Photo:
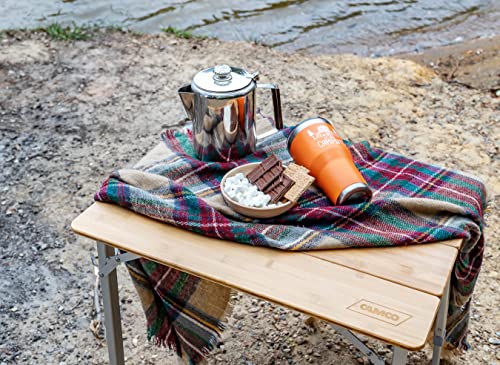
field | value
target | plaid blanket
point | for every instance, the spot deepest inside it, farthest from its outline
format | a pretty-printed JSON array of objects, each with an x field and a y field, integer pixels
[{"x": 413, "y": 203}]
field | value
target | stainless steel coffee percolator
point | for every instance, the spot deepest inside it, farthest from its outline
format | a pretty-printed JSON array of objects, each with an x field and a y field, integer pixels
[{"x": 220, "y": 101}]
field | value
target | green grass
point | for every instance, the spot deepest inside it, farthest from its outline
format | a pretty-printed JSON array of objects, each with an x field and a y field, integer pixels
[
  {"x": 255, "y": 40},
  {"x": 116, "y": 28},
  {"x": 74, "y": 33},
  {"x": 186, "y": 34}
]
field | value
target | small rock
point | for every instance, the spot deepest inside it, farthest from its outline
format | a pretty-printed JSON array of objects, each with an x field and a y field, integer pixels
[
  {"x": 300, "y": 340},
  {"x": 13, "y": 309},
  {"x": 494, "y": 341},
  {"x": 384, "y": 351},
  {"x": 254, "y": 309},
  {"x": 238, "y": 315},
  {"x": 11, "y": 210}
]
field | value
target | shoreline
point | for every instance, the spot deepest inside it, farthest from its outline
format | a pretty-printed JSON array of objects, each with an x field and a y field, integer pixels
[{"x": 473, "y": 64}]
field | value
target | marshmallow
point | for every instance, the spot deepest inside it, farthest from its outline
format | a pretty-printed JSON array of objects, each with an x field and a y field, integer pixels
[{"x": 239, "y": 189}]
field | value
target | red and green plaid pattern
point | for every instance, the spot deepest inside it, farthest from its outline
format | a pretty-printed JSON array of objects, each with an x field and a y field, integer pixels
[{"x": 412, "y": 203}]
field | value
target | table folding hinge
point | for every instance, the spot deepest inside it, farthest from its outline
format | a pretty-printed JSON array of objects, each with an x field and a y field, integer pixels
[
  {"x": 353, "y": 339},
  {"x": 113, "y": 261},
  {"x": 438, "y": 340}
]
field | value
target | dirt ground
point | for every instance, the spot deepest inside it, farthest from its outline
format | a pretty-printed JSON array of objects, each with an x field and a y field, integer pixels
[{"x": 71, "y": 112}]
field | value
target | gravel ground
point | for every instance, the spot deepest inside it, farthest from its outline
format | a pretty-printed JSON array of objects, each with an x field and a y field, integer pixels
[{"x": 71, "y": 112}]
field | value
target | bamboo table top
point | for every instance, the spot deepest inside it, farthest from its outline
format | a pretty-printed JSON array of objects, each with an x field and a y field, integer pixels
[{"x": 391, "y": 294}]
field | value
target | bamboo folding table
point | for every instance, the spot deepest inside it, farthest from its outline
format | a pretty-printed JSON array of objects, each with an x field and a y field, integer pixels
[{"x": 391, "y": 294}]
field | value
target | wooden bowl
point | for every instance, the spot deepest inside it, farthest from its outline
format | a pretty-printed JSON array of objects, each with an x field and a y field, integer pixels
[{"x": 250, "y": 211}]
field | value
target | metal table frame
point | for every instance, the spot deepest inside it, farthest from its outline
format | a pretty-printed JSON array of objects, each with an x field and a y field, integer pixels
[{"x": 110, "y": 258}]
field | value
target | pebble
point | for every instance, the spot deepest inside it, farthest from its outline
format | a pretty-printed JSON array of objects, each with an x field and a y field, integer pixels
[
  {"x": 300, "y": 340},
  {"x": 384, "y": 351},
  {"x": 238, "y": 315},
  {"x": 494, "y": 341}
]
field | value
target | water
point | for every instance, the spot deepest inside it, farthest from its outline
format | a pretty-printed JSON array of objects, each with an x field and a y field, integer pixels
[{"x": 367, "y": 27}]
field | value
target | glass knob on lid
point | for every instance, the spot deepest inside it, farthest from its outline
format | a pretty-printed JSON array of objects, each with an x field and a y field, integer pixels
[{"x": 222, "y": 74}]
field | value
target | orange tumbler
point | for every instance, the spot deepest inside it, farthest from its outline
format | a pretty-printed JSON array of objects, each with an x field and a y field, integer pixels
[{"x": 316, "y": 145}]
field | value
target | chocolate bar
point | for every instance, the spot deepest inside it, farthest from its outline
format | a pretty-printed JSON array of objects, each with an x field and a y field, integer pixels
[
  {"x": 262, "y": 168},
  {"x": 279, "y": 188},
  {"x": 269, "y": 177},
  {"x": 273, "y": 179}
]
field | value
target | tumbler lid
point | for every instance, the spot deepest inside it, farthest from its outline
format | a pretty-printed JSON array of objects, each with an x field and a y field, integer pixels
[{"x": 354, "y": 194}]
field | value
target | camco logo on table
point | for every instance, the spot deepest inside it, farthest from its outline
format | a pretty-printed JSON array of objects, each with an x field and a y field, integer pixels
[{"x": 380, "y": 312}]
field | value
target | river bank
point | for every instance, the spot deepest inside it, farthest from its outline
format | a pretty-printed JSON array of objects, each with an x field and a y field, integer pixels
[
  {"x": 365, "y": 28},
  {"x": 72, "y": 112},
  {"x": 474, "y": 64}
]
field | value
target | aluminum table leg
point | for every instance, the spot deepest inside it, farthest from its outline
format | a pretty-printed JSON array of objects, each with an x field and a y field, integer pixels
[
  {"x": 399, "y": 356},
  {"x": 440, "y": 326},
  {"x": 352, "y": 338},
  {"x": 111, "y": 304}
]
